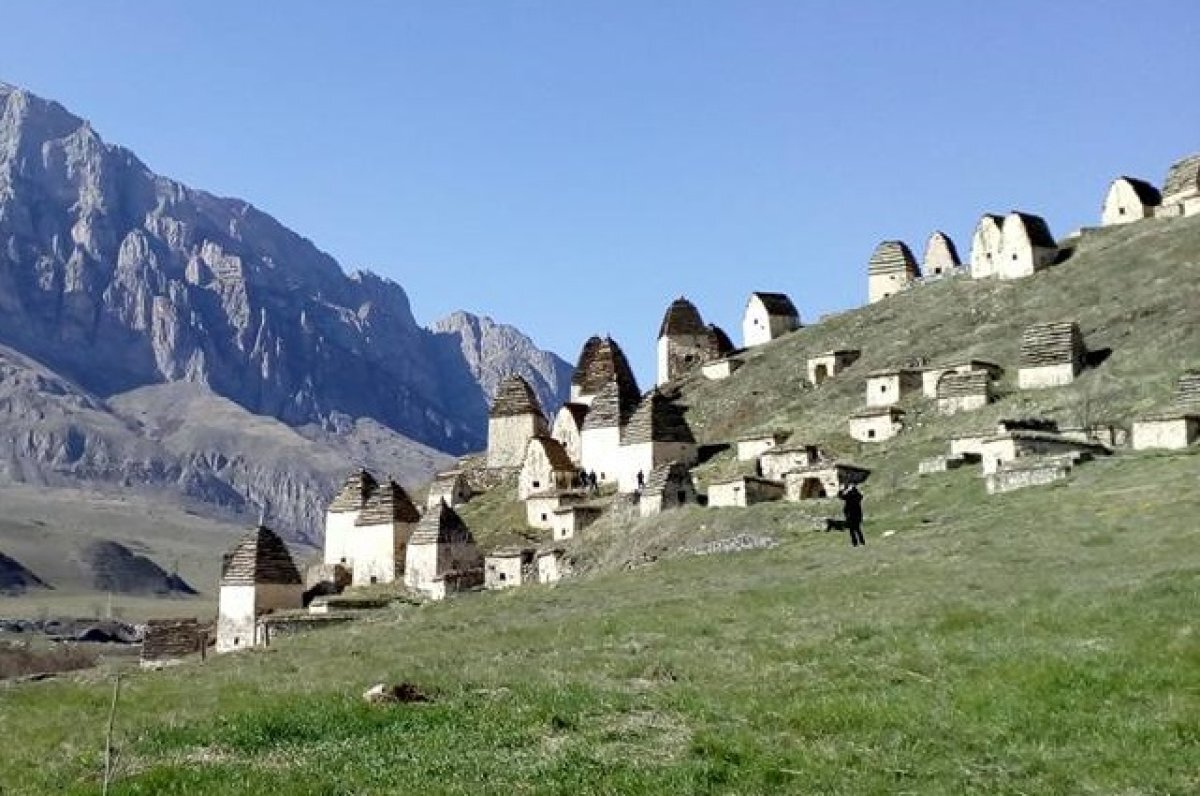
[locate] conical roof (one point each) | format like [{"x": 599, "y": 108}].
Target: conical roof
[
  {"x": 682, "y": 318},
  {"x": 514, "y": 396},
  {"x": 600, "y": 362},
  {"x": 260, "y": 557}
]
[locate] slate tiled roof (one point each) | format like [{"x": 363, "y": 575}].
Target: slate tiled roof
[
  {"x": 1184, "y": 175},
  {"x": 892, "y": 257},
  {"x": 719, "y": 341},
  {"x": 776, "y": 304},
  {"x": 1036, "y": 229},
  {"x": 554, "y": 452},
  {"x": 682, "y": 318},
  {"x": 514, "y": 396},
  {"x": 389, "y": 503},
  {"x": 657, "y": 419},
  {"x": 665, "y": 477},
  {"x": 260, "y": 557},
  {"x": 958, "y": 385},
  {"x": 1050, "y": 344},
  {"x": 577, "y": 411},
  {"x": 1145, "y": 192},
  {"x": 441, "y": 525},
  {"x": 1187, "y": 390},
  {"x": 355, "y": 491},
  {"x": 600, "y": 362},
  {"x": 611, "y": 408}
]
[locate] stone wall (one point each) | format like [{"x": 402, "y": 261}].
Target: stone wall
[
  {"x": 1170, "y": 433},
  {"x": 508, "y": 435}
]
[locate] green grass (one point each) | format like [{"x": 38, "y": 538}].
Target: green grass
[{"x": 1038, "y": 642}]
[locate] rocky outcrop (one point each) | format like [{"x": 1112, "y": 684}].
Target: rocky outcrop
[{"x": 117, "y": 278}]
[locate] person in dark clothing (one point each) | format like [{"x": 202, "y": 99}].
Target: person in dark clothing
[
  {"x": 641, "y": 479},
  {"x": 852, "y": 510}
]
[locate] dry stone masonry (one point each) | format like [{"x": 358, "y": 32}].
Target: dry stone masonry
[
  {"x": 964, "y": 392},
  {"x": 1177, "y": 426},
  {"x": 891, "y": 269},
  {"x": 1052, "y": 355},
  {"x": 515, "y": 418},
  {"x": 258, "y": 576},
  {"x": 686, "y": 344}
]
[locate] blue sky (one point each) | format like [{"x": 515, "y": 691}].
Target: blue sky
[{"x": 571, "y": 167}]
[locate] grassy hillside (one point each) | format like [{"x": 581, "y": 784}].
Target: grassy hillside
[{"x": 1041, "y": 641}]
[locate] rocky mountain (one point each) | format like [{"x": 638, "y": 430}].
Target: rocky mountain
[
  {"x": 159, "y": 338},
  {"x": 117, "y": 278},
  {"x": 494, "y": 350},
  {"x": 189, "y": 446}
]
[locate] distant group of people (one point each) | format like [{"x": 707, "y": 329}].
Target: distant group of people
[{"x": 586, "y": 479}]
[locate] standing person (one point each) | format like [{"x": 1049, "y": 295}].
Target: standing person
[
  {"x": 852, "y": 510},
  {"x": 641, "y": 478}
]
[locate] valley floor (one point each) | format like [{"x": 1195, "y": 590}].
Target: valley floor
[{"x": 1042, "y": 642}]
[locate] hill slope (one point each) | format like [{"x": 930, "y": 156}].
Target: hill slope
[{"x": 1033, "y": 642}]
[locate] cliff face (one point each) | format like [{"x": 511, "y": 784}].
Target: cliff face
[
  {"x": 495, "y": 350},
  {"x": 159, "y": 338},
  {"x": 118, "y": 278}
]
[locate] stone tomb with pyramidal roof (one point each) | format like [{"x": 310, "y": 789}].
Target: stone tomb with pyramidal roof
[
  {"x": 601, "y": 362},
  {"x": 657, "y": 433},
  {"x": 891, "y": 269},
  {"x": 442, "y": 556},
  {"x": 1052, "y": 355},
  {"x": 1177, "y": 426},
  {"x": 515, "y": 418},
  {"x": 669, "y": 486},
  {"x": 367, "y": 527},
  {"x": 686, "y": 343},
  {"x": 258, "y": 576}
]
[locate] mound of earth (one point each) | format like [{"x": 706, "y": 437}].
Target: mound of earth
[
  {"x": 16, "y": 579},
  {"x": 113, "y": 567}
]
